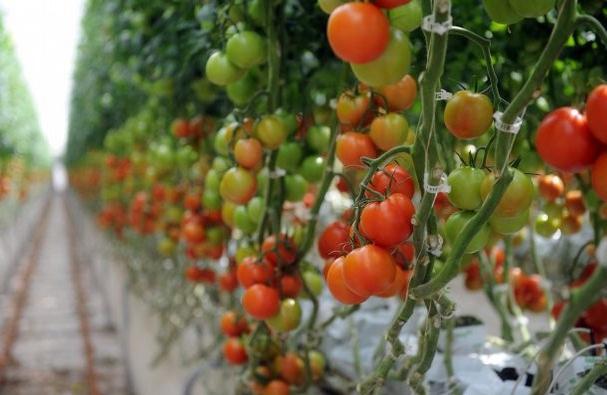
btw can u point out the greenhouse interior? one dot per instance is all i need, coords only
(281, 197)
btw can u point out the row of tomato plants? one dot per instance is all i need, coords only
(240, 198)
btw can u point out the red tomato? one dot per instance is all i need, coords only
(404, 254)
(550, 187)
(181, 128)
(232, 325)
(399, 286)
(334, 241)
(290, 285)
(388, 223)
(228, 281)
(193, 232)
(389, 4)
(260, 301)
(249, 272)
(353, 146)
(472, 276)
(248, 153)
(599, 176)
(596, 316)
(369, 270)
(235, 352)
(291, 368)
(392, 179)
(358, 32)
(564, 140)
(596, 112)
(276, 387)
(283, 252)
(337, 285)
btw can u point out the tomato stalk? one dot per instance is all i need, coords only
(581, 298)
(565, 25)
(452, 384)
(583, 386)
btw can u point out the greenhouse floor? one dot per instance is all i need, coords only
(61, 340)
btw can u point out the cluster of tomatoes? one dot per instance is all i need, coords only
(585, 135)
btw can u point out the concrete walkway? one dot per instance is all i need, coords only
(48, 356)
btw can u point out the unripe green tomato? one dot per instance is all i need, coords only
(211, 200)
(532, 9)
(318, 138)
(173, 215)
(322, 115)
(211, 180)
(220, 71)
(329, 5)
(246, 49)
(242, 220)
(518, 195)
(393, 64)
(236, 13)
(244, 251)
(289, 156)
(509, 225)
(288, 318)
(296, 187)
(221, 142)
(257, 12)
(456, 223)
(407, 17)
(465, 185)
(215, 235)
(312, 168)
(546, 226)
(288, 119)
(314, 282)
(262, 179)
(554, 210)
(166, 247)
(220, 165)
(501, 11)
(241, 91)
(255, 209)
(185, 156)
(271, 131)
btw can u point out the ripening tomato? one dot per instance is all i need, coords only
(545, 225)
(351, 108)
(288, 317)
(314, 282)
(518, 195)
(389, 68)
(571, 224)
(465, 185)
(282, 252)
(352, 147)
(368, 270)
(596, 112)
(388, 223)
(271, 131)
(248, 153)
(250, 272)
(599, 176)
(291, 368)
(389, 130)
(574, 202)
(238, 185)
(317, 364)
(468, 115)
(180, 128)
(392, 179)
(407, 17)
(261, 302)
(564, 140)
(235, 352)
(334, 241)
(509, 225)
(232, 325)
(220, 71)
(228, 281)
(472, 275)
(401, 95)
(276, 387)
(550, 187)
(290, 285)
(455, 225)
(390, 3)
(358, 32)
(337, 285)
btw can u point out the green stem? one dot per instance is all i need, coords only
(451, 267)
(565, 25)
(581, 299)
(496, 299)
(538, 263)
(598, 370)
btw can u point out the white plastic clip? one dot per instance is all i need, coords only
(601, 253)
(443, 95)
(442, 187)
(430, 25)
(435, 245)
(513, 128)
(278, 173)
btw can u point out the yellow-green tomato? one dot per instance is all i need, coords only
(314, 282)
(518, 195)
(546, 226)
(246, 49)
(389, 130)
(465, 185)
(407, 17)
(509, 225)
(220, 71)
(288, 318)
(329, 5)
(271, 131)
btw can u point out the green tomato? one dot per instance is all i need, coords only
(518, 195)
(314, 282)
(215, 235)
(262, 179)
(241, 91)
(236, 13)
(318, 138)
(390, 67)
(407, 17)
(465, 185)
(501, 11)
(244, 251)
(246, 49)
(509, 225)
(173, 215)
(257, 12)
(322, 115)
(242, 220)
(289, 120)
(271, 131)
(296, 187)
(220, 71)
(554, 210)
(312, 168)
(211, 180)
(329, 5)
(185, 156)
(532, 9)
(546, 226)
(211, 200)
(255, 209)
(457, 222)
(220, 164)
(166, 246)
(222, 140)
(289, 156)
(288, 318)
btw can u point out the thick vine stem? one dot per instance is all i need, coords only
(598, 370)
(594, 24)
(581, 298)
(565, 25)
(497, 299)
(451, 267)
